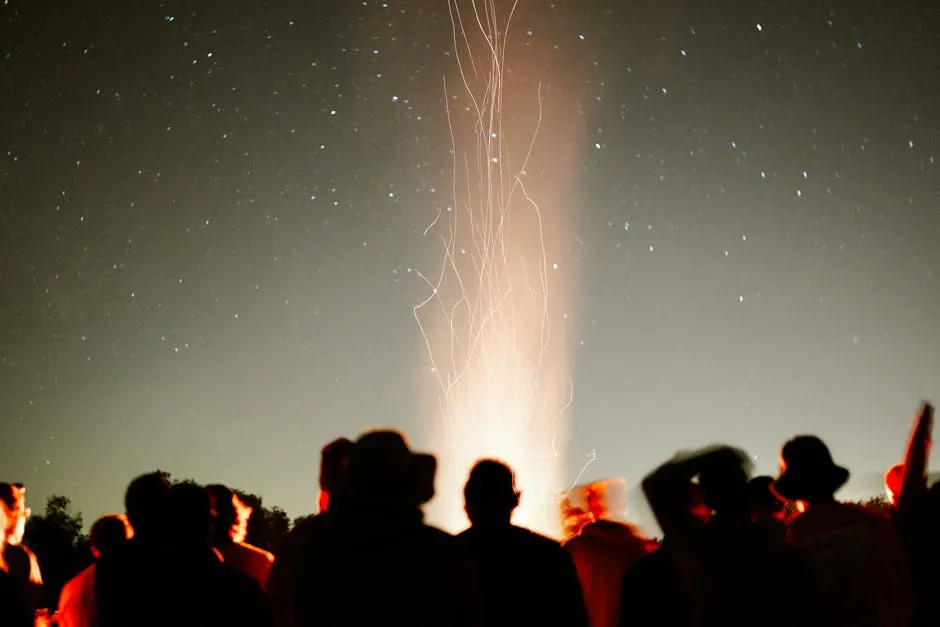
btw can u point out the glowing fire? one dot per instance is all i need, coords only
(500, 368)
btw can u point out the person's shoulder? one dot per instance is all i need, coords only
(306, 530)
(309, 523)
(254, 553)
(73, 586)
(436, 534)
(235, 580)
(535, 539)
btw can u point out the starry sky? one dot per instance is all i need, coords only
(211, 214)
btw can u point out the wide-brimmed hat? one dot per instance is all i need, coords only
(807, 470)
(382, 462)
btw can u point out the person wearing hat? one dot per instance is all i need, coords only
(516, 569)
(857, 559)
(370, 559)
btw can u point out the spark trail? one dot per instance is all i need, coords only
(501, 379)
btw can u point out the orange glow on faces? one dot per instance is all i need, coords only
(242, 515)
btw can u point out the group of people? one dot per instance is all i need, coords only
(736, 551)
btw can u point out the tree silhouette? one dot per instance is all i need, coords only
(56, 537)
(878, 505)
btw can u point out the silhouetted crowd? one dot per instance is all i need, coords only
(736, 551)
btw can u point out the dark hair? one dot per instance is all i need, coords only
(108, 533)
(334, 458)
(724, 486)
(225, 512)
(147, 502)
(761, 496)
(191, 513)
(491, 486)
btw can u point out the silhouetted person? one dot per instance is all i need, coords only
(573, 519)
(78, 606)
(334, 460)
(906, 486)
(21, 565)
(14, 611)
(169, 574)
(767, 509)
(857, 560)
(652, 594)
(523, 578)
(730, 571)
(602, 553)
(230, 529)
(375, 562)
(286, 585)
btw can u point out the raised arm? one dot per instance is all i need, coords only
(668, 487)
(914, 481)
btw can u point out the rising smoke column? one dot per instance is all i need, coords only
(495, 321)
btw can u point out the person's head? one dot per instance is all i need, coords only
(763, 502)
(191, 515)
(606, 499)
(724, 485)
(334, 459)
(147, 503)
(109, 532)
(573, 518)
(13, 502)
(807, 472)
(490, 494)
(383, 471)
(231, 515)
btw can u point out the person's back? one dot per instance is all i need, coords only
(14, 611)
(651, 593)
(78, 605)
(248, 559)
(286, 584)
(523, 577)
(371, 560)
(602, 553)
(858, 564)
(362, 573)
(294, 572)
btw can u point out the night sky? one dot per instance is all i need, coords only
(211, 214)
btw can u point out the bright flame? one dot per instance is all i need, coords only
(503, 388)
